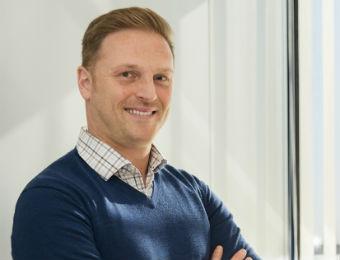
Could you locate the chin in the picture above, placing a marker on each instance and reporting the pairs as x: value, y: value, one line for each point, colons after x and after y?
x: 143, y: 140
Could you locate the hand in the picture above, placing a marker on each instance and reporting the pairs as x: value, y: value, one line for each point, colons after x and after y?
x: 218, y: 253
x: 239, y: 255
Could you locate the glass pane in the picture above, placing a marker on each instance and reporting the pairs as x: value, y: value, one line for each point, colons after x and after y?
x: 319, y: 106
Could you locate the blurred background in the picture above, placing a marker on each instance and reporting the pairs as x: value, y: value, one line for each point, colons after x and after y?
x: 229, y: 118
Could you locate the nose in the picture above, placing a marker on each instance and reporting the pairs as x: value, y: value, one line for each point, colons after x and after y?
x: 146, y: 90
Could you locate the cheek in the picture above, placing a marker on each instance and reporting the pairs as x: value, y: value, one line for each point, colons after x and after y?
x: 115, y: 100
x: 165, y: 96
x: 105, y: 104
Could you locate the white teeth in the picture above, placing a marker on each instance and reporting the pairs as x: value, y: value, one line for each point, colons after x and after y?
x: 139, y: 113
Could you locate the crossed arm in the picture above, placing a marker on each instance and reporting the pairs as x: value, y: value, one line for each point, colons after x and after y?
x: 25, y: 225
x: 226, y: 239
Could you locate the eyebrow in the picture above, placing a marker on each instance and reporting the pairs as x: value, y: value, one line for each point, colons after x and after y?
x: 133, y: 66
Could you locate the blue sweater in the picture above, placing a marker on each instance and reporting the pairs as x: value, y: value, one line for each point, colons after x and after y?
x: 69, y: 212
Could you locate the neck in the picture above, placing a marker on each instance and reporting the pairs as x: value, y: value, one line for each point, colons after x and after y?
x: 138, y: 156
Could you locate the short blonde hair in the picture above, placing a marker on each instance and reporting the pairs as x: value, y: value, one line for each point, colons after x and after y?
x: 121, y: 19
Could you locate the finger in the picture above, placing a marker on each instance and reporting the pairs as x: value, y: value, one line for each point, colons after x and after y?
x: 249, y: 258
x: 218, y: 253
x: 240, y: 255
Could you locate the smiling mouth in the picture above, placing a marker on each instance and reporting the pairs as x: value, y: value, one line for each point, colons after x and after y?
x: 140, y: 113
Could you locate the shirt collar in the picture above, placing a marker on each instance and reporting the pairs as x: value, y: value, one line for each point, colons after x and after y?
x: 105, y: 160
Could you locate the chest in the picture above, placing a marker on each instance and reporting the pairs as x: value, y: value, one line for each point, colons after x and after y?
x: 171, y: 225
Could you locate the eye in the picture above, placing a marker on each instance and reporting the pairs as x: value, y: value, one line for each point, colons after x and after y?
x: 127, y: 74
x: 160, y: 77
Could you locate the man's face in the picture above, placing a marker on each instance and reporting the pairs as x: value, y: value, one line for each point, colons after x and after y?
x: 129, y: 88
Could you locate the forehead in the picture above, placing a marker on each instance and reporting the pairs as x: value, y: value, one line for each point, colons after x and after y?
x: 131, y: 46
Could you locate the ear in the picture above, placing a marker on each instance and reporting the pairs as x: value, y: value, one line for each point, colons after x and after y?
x: 84, y: 82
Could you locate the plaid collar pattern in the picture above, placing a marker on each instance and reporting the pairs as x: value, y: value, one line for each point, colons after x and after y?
x: 107, y: 162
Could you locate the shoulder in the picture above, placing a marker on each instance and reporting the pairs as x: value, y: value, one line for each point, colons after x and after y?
x: 68, y: 175
x: 54, y: 209
x: 66, y: 169
x: 65, y: 185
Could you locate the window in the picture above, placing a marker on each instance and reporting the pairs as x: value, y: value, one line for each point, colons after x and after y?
x: 319, y: 135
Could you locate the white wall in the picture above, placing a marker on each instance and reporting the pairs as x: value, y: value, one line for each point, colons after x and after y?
x: 228, y: 119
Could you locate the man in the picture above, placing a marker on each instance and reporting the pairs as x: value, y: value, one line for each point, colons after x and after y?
x: 114, y: 196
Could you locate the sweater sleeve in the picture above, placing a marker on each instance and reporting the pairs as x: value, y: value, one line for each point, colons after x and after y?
x: 51, y: 224
x: 224, y: 230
